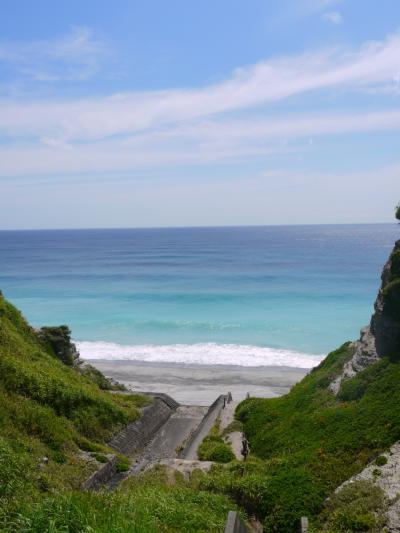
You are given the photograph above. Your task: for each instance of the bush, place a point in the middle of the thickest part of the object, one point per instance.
(101, 458)
(215, 449)
(381, 460)
(358, 506)
(123, 464)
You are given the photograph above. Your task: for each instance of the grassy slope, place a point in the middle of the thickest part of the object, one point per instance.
(306, 443)
(49, 410)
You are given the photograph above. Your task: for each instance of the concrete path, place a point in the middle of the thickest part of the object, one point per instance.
(235, 438)
(190, 453)
(170, 439)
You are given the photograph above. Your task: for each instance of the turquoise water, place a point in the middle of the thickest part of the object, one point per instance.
(249, 295)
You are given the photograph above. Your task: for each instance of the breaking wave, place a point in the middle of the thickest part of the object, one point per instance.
(200, 353)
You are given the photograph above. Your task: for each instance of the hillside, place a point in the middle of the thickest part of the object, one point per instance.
(55, 420)
(306, 443)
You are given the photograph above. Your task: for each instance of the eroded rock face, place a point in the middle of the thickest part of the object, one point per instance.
(382, 337)
(364, 355)
(385, 322)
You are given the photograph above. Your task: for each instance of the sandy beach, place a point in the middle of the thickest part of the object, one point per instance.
(201, 384)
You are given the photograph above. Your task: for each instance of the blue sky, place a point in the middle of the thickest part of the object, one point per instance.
(182, 113)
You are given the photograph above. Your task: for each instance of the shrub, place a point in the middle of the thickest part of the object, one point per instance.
(381, 460)
(101, 458)
(215, 449)
(123, 464)
(358, 506)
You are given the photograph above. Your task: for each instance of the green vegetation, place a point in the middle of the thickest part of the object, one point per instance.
(52, 409)
(57, 341)
(381, 460)
(214, 448)
(123, 464)
(358, 506)
(100, 457)
(235, 425)
(90, 372)
(397, 212)
(48, 412)
(146, 504)
(305, 444)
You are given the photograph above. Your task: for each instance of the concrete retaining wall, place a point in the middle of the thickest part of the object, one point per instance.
(138, 434)
(235, 524)
(103, 475)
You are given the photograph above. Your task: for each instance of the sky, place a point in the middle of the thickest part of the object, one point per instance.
(152, 113)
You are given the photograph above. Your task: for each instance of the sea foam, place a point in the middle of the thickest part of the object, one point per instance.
(200, 353)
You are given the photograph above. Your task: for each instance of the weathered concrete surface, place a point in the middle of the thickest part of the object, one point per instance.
(234, 524)
(138, 434)
(203, 429)
(102, 476)
(388, 480)
(187, 467)
(171, 436)
(235, 437)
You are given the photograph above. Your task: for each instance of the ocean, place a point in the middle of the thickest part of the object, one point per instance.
(251, 296)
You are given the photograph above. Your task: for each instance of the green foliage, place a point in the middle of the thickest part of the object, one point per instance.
(57, 341)
(47, 411)
(214, 448)
(90, 372)
(235, 425)
(144, 505)
(310, 441)
(381, 460)
(123, 464)
(397, 212)
(100, 457)
(358, 506)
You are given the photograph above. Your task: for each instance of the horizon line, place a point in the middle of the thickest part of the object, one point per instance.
(227, 226)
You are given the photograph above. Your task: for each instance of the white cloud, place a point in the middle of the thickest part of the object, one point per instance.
(196, 143)
(75, 56)
(192, 126)
(335, 17)
(374, 64)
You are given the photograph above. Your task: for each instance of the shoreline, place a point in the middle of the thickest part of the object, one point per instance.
(194, 384)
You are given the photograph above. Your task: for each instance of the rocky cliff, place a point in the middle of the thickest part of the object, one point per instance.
(385, 322)
(382, 337)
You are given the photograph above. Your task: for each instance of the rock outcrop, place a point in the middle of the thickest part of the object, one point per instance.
(382, 337)
(386, 475)
(385, 322)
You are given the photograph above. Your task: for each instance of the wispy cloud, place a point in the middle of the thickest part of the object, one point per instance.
(190, 126)
(374, 64)
(74, 56)
(335, 17)
(197, 143)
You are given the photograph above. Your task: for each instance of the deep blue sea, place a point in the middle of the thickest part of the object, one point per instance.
(274, 295)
